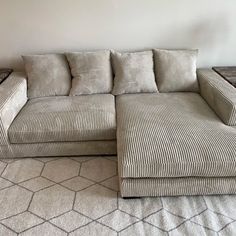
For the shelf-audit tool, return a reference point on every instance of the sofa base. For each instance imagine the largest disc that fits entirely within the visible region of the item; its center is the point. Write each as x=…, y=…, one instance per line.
x=177, y=186
x=58, y=149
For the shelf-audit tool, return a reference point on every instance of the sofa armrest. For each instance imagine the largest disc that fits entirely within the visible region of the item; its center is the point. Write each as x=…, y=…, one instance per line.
x=219, y=94
x=13, y=96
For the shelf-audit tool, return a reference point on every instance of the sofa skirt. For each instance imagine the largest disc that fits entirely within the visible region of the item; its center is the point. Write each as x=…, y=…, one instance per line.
x=58, y=149
x=177, y=186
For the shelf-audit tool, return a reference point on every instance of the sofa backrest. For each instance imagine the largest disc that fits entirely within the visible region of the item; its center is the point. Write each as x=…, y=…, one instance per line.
x=82, y=73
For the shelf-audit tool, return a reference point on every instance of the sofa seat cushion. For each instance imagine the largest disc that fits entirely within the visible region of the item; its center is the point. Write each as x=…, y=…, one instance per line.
x=172, y=135
x=62, y=119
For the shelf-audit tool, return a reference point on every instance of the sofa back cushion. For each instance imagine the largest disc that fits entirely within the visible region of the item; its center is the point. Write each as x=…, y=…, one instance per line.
x=133, y=73
x=48, y=75
x=91, y=72
x=175, y=70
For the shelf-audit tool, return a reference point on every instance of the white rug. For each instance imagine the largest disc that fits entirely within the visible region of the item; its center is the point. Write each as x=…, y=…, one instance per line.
x=79, y=196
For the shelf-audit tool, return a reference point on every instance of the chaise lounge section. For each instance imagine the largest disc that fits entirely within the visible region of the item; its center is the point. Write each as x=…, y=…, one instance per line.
x=175, y=144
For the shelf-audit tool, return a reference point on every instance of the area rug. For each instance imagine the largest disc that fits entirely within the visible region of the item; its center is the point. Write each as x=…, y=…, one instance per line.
x=79, y=196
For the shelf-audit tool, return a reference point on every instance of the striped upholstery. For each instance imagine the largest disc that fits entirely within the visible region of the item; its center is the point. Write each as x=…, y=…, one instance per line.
x=58, y=149
x=177, y=186
x=172, y=135
x=60, y=119
x=13, y=96
x=219, y=94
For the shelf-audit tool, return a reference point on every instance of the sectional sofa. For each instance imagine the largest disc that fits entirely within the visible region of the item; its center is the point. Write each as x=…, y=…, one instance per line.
x=173, y=127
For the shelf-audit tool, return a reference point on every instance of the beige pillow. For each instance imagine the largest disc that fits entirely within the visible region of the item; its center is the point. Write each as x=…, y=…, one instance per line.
x=176, y=70
x=91, y=72
x=133, y=73
x=48, y=75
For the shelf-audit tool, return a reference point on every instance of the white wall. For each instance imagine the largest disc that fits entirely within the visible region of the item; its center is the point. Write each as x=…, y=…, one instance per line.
x=42, y=26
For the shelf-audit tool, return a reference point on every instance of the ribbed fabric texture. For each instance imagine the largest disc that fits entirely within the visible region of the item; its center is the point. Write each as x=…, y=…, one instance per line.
x=133, y=72
x=177, y=186
x=219, y=94
x=91, y=71
x=60, y=119
x=58, y=149
x=13, y=96
x=47, y=75
x=172, y=135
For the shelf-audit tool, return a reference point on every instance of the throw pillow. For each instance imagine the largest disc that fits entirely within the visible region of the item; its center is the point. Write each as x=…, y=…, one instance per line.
x=176, y=70
x=91, y=72
x=48, y=75
x=133, y=73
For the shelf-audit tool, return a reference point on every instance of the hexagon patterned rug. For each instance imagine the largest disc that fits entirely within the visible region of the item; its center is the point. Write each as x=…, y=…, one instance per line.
x=79, y=196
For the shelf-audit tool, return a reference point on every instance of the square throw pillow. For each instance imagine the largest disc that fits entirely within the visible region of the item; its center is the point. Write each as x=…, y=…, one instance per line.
x=48, y=75
x=91, y=72
x=176, y=70
x=133, y=73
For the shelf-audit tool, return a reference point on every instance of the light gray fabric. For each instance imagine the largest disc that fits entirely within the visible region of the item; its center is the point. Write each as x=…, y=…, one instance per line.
x=176, y=70
x=13, y=96
x=64, y=119
x=177, y=186
x=133, y=73
x=219, y=94
x=172, y=135
x=48, y=75
x=58, y=149
x=91, y=72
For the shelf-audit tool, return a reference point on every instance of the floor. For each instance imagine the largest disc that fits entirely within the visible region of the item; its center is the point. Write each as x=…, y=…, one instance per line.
x=79, y=196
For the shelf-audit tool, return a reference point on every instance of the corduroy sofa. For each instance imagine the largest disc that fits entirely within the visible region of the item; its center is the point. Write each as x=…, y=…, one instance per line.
x=172, y=127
